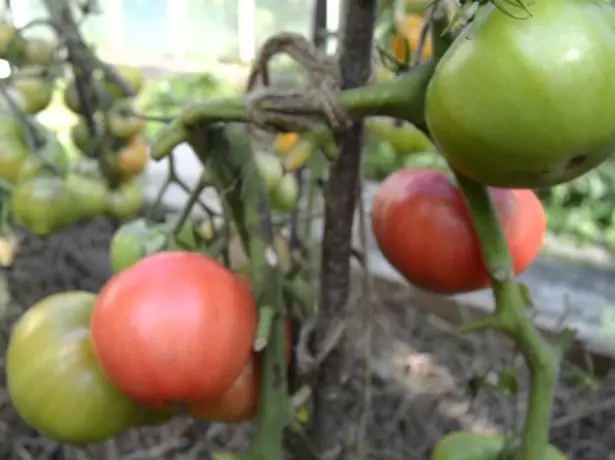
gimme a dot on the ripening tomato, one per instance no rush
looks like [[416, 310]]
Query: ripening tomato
[[132, 158], [527, 103], [174, 329], [422, 226], [284, 143], [409, 31], [54, 381], [463, 445], [240, 402]]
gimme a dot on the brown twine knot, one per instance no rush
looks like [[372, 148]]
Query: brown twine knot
[[323, 82]]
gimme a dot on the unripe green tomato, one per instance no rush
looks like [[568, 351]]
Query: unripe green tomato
[[463, 445], [285, 195], [126, 201], [133, 241], [43, 205], [53, 379], [91, 194], [527, 103], [270, 169], [51, 153]]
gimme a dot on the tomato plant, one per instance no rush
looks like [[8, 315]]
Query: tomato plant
[[175, 328], [547, 114], [53, 379], [422, 226], [44, 205], [462, 445]]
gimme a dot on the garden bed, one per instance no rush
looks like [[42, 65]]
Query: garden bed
[[420, 368]]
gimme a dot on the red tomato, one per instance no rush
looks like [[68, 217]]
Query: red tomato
[[423, 228], [175, 328], [240, 402]]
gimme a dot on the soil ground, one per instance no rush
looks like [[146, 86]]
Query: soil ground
[[420, 369]]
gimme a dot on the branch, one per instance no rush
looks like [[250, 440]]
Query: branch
[[510, 318], [402, 98]]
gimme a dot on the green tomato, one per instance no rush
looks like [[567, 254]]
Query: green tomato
[[53, 378], [36, 92], [52, 153], [270, 169], [132, 242], [462, 445], [13, 154], [285, 196], [43, 205], [90, 194], [404, 137], [126, 201], [527, 103]]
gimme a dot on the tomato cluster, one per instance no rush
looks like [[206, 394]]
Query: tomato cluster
[[171, 334]]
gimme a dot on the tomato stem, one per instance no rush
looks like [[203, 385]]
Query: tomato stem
[[510, 318], [227, 153], [402, 97]]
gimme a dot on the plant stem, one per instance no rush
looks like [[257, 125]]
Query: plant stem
[[402, 97], [228, 155], [511, 319]]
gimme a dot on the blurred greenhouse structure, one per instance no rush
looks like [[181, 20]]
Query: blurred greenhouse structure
[[186, 31]]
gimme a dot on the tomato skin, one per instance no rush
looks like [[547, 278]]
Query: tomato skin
[[43, 205], [544, 117], [270, 169], [132, 158], [240, 402], [121, 121], [76, 404], [463, 445], [409, 31], [176, 327], [126, 201], [285, 196], [90, 194], [423, 228], [284, 143], [132, 242]]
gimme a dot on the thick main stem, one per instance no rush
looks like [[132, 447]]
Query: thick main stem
[[330, 422], [511, 319]]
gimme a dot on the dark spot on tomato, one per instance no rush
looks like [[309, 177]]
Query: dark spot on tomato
[[576, 161]]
